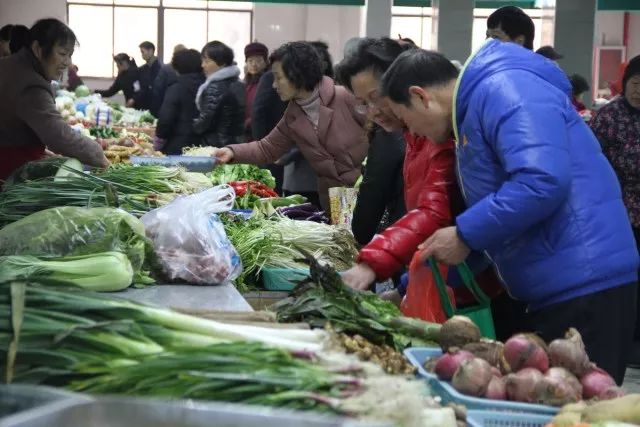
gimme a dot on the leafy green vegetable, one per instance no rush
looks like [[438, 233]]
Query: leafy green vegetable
[[74, 231], [224, 174], [101, 272], [275, 242], [48, 167], [147, 117], [104, 132], [324, 298], [82, 91]]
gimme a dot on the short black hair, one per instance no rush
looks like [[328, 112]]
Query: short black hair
[[632, 69], [301, 64], [5, 33], [416, 67], [327, 61], [375, 55], [218, 52], [578, 84], [123, 57], [514, 22], [147, 45], [48, 33], [187, 61], [19, 38]]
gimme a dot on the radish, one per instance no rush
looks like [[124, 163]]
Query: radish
[[448, 363], [569, 353], [611, 393], [521, 386], [526, 351], [595, 383], [458, 331], [497, 389], [558, 387], [472, 377]]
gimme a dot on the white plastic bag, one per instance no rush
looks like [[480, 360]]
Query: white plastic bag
[[190, 239]]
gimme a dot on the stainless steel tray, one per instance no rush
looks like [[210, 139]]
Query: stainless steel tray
[[118, 412], [20, 398]]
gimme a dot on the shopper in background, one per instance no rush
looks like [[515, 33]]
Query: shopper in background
[[73, 79], [380, 200], [550, 53], [29, 121], [176, 115], [617, 126], [511, 24], [525, 161], [267, 111], [19, 38], [256, 59], [5, 39], [579, 86], [147, 74], [298, 175], [165, 78], [320, 120], [220, 99], [126, 80]]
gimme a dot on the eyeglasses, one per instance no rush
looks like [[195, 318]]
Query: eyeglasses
[[366, 106]]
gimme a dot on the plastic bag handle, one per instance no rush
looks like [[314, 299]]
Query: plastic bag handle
[[468, 280]]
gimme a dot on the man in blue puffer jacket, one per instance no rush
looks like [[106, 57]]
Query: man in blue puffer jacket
[[542, 200]]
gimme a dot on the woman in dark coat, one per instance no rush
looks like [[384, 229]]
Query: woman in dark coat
[[220, 99], [178, 110], [126, 81]]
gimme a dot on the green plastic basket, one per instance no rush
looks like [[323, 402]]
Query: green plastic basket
[[282, 279]]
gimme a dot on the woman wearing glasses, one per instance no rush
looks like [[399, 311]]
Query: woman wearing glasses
[[320, 120]]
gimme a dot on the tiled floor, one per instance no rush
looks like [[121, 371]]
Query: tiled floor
[[632, 380]]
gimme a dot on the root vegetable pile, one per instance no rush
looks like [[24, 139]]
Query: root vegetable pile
[[523, 369]]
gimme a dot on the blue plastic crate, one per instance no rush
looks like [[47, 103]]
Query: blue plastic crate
[[476, 418], [282, 279], [190, 163], [418, 355]]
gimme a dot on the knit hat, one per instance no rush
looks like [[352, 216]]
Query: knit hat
[[256, 49], [633, 68]]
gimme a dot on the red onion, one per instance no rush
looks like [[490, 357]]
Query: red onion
[[521, 386], [472, 377], [525, 351], [569, 353], [595, 383], [448, 363], [497, 389], [496, 372]]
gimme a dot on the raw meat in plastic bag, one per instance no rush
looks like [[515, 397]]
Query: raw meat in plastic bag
[[190, 240]]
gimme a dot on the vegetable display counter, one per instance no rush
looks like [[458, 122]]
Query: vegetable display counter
[[189, 297]]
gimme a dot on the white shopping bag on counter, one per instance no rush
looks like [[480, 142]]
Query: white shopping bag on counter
[[190, 240]]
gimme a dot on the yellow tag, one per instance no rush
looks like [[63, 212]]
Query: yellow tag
[[465, 141]]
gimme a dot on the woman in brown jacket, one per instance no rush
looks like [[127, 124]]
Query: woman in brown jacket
[[320, 120], [29, 121]]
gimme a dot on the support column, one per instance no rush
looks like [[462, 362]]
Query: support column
[[452, 28], [575, 36], [378, 18]]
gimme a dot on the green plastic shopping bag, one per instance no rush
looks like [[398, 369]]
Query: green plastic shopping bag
[[480, 314]]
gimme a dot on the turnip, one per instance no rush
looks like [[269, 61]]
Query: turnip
[[521, 386], [526, 351], [611, 393], [448, 363], [497, 389], [558, 387], [569, 353], [595, 383], [458, 331], [489, 350], [472, 377]]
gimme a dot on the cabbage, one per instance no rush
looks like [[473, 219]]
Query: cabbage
[[82, 91]]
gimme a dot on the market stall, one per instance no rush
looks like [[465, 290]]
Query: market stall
[[128, 282]]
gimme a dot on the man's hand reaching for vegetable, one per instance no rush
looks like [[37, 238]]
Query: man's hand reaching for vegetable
[[446, 246], [222, 155], [360, 277]]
